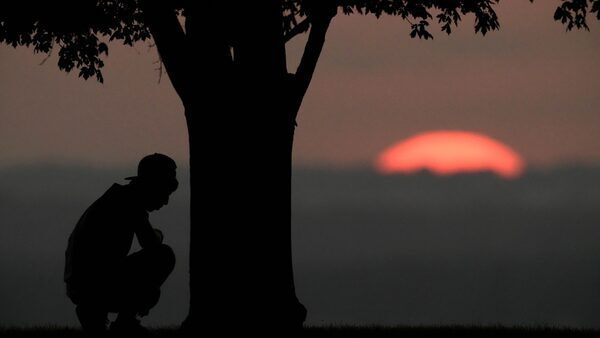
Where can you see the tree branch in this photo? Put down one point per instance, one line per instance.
(308, 63)
(298, 29)
(171, 42)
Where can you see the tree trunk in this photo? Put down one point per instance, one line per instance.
(228, 66)
(241, 133)
(241, 266)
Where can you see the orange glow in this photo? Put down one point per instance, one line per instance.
(450, 152)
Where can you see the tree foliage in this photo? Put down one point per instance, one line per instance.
(75, 27)
(80, 29)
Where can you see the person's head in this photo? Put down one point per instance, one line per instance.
(156, 180)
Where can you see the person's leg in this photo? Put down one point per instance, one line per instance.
(151, 266)
(145, 271)
(92, 319)
(89, 308)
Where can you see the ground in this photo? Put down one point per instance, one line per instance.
(350, 332)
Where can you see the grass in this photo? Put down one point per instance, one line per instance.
(448, 331)
(347, 332)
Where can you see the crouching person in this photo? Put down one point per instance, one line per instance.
(100, 274)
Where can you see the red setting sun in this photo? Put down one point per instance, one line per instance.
(450, 152)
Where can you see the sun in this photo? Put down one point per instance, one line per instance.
(448, 152)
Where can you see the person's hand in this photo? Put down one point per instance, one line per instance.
(159, 234)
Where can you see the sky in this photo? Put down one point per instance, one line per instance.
(532, 86)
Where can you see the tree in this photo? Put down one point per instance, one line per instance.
(226, 60)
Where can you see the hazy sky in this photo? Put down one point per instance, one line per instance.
(531, 85)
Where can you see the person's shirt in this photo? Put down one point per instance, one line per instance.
(104, 235)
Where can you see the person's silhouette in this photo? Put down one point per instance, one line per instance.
(99, 274)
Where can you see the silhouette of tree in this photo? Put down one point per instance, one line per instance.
(227, 62)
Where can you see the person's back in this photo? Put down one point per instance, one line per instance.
(103, 236)
(99, 274)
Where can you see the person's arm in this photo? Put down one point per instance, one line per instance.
(148, 236)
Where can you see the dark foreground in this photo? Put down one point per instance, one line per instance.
(348, 331)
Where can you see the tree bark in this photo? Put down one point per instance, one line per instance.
(241, 128)
(241, 267)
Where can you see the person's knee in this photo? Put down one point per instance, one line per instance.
(153, 265)
(166, 257)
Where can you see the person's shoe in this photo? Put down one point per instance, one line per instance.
(92, 320)
(130, 326)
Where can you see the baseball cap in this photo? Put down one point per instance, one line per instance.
(157, 168)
